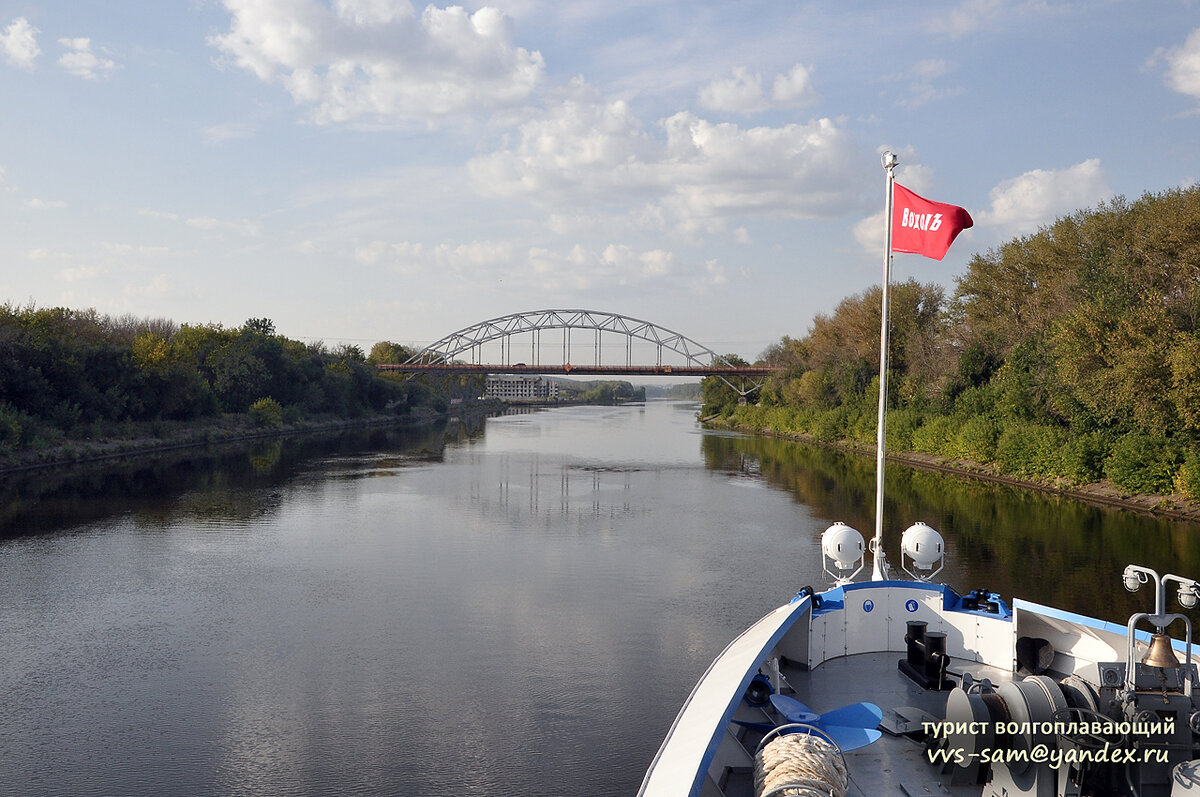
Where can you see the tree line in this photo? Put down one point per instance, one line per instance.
(71, 374)
(610, 391)
(1071, 355)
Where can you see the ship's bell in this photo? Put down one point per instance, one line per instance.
(1160, 653)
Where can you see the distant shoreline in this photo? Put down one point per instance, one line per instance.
(161, 437)
(227, 429)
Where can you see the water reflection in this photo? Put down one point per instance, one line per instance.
(220, 484)
(555, 489)
(1034, 545)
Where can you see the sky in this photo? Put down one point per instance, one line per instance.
(365, 170)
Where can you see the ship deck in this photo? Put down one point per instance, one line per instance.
(893, 765)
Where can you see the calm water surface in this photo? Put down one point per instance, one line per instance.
(512, 607)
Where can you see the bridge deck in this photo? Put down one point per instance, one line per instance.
(580, 370)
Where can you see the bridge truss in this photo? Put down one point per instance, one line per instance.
(462, 351)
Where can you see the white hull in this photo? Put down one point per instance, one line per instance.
(847, 649)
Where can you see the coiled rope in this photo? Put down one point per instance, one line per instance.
(799, 765)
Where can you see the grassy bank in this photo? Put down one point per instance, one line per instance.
(1031, 457)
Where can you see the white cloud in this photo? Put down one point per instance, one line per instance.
(1025, 203)
(615, 266)
(408, 257)
(378, 60)
(45, 204)
(914, 176)
(1183, 66)
(655, 263)
(538, 270)
(871, 232)
(6, 186)
(372, 12)
(156, 288)
(793, 87)
(585, 153)
(973, 15)
(80, 61)
(580, 150)
(743, 93)
(372, 253)
(969, 16)
(79, 274)
(715, 273)
(244, 227)
(229, 131)
(929, 68)
(718, 170)
(203, 222)
(130, 250)
(793, 171)
(158, 214)
(921, 83)
(40, 253)
(19, 43)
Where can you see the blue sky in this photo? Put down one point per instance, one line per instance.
(361, 170)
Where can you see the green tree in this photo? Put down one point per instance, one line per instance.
(851, 334)
(261, 326)
(1119, 364)
(386, 352)
(266, 412)
(719, 397)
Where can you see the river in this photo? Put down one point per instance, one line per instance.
(511, 606)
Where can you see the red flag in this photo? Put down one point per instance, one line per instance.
(922, 227)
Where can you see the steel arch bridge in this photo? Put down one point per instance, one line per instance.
(448, 355)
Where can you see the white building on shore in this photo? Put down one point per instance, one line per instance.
(508, 386)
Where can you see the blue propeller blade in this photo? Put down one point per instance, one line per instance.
(855, 715)
(795, 711)
(850, 738)
(851, 727)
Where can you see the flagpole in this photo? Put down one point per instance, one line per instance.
(879, 567)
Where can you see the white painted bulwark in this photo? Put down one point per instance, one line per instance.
(682, 761)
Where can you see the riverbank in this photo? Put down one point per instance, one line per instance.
(1101, 493)
(163, 436)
